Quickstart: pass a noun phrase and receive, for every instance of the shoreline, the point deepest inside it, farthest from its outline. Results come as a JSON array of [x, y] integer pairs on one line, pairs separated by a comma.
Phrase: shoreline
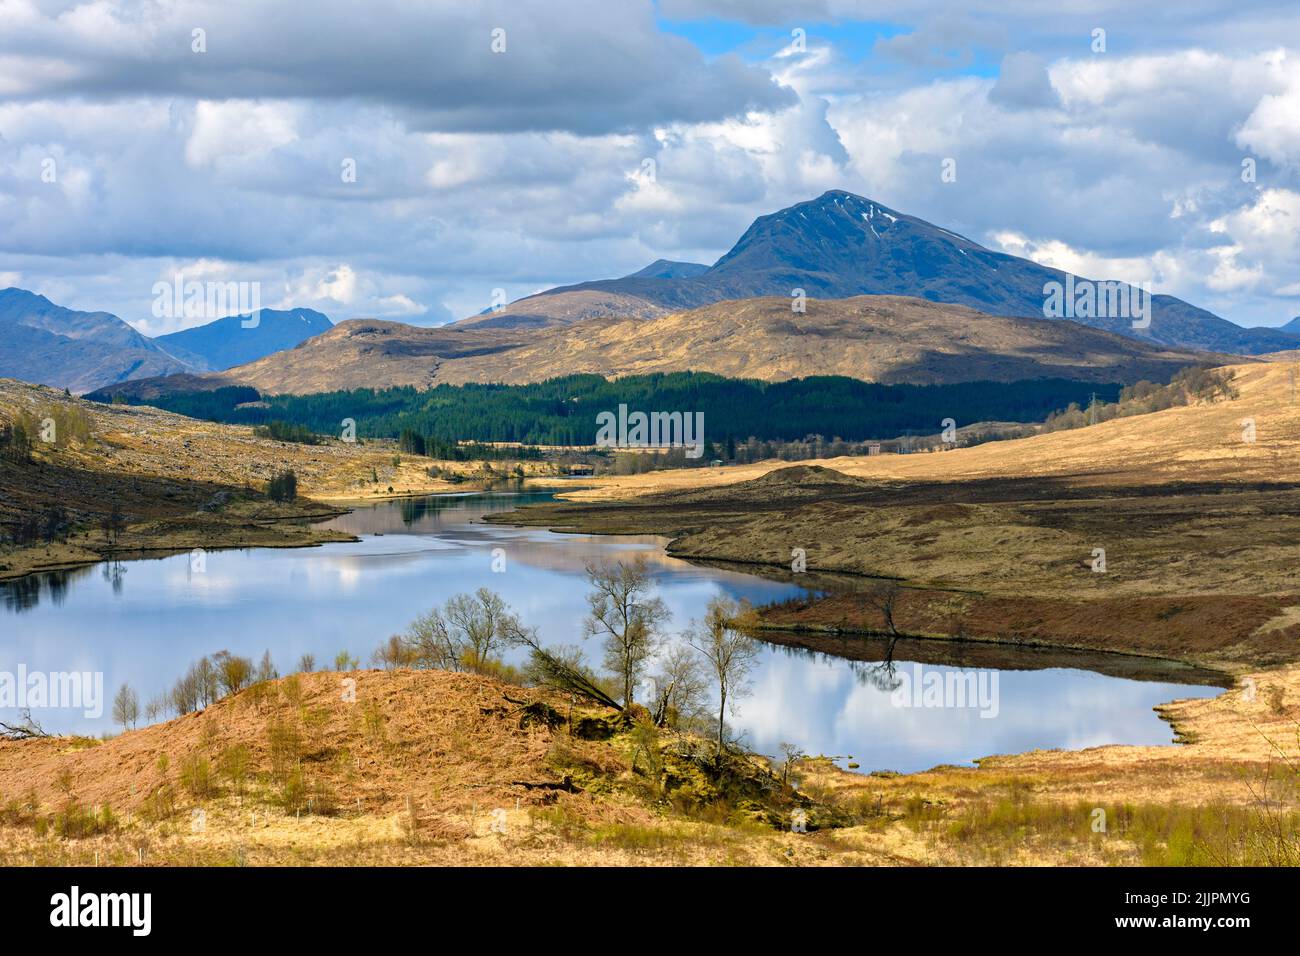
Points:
[[1026, 579], [178, 534], [235, 537]]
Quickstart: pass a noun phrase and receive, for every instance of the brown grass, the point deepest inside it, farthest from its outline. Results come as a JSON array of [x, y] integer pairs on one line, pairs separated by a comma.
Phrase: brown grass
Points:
[[440, 785]]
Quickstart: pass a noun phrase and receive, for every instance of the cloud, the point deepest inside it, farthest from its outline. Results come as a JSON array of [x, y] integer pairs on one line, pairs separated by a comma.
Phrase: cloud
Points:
[[239, 129], [1023, 83], [943, 43], [586, 66], [1262, 245], [1272, 130]]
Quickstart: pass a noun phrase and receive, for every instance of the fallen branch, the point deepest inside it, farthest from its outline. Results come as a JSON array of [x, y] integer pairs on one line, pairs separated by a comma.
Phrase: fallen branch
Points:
[[26, 729]]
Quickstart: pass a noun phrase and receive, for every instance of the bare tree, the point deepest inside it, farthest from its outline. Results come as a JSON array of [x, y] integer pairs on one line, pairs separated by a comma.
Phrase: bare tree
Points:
[[626, 616], [728, 651], [206, 682], [479, 622], [113, 524], [883, 597], [680, 687], [126, 707], [184, 696], [791, 754], [266, 669], [156, 707], [560, 668], [394, 653], [464, 634], [430, 642]]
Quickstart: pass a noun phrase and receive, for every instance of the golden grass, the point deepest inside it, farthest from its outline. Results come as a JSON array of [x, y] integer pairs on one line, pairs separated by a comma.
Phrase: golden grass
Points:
[[439, 785]]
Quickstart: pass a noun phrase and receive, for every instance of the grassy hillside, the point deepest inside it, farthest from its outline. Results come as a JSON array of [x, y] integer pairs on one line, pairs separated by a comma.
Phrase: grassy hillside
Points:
[[876, 338], [175, 482], [430, 767]]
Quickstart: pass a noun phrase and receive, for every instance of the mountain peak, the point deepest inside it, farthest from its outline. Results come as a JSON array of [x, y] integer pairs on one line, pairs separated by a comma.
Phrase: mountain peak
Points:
[[847, 236], [225, 342], [669, 269]]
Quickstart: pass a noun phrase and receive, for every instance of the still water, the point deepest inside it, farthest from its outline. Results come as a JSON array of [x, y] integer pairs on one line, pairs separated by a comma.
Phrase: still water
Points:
[[144, 622]]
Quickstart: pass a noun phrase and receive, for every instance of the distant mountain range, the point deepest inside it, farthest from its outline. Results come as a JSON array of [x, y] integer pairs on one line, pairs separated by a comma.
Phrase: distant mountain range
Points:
[[841, 245], [45, 343], [51, 345], [736, 314], [888, 339], [226, 342]]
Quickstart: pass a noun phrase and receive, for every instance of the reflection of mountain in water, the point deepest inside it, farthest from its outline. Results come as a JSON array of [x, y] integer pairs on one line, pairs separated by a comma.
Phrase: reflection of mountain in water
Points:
[[457, 519], [503, 498], [430, 513]]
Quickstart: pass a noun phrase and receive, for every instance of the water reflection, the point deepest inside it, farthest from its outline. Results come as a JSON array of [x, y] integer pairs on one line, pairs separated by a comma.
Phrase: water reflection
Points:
[[145, 621], [26, 593]]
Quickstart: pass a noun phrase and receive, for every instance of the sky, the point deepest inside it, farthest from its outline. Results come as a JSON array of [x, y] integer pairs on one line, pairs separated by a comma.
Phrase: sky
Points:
[[521, 145]]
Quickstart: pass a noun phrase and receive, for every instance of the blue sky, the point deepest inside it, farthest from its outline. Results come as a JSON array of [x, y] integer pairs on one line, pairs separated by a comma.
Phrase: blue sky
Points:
[[606, 134], [853, 39]]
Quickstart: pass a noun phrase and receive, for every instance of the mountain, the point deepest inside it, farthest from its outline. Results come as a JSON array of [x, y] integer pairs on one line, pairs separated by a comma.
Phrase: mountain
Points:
[[842, 245], [875, 338], [543, 311], [887, 339], [226, 342], [1292, 327], [46, 344], [668, 269]]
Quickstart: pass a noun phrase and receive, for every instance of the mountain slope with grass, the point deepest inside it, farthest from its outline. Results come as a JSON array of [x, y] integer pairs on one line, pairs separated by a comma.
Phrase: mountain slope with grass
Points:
[[886, 339], [889, 339], [841, 245], [174, 483]]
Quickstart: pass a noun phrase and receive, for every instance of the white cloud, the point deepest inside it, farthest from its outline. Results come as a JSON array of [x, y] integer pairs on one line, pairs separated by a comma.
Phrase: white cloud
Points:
[[240, 129], [1272, 130]]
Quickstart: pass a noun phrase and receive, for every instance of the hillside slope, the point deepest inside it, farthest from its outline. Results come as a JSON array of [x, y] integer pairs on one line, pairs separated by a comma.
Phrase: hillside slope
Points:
[[887, 339], [436, 768], [1198, 443], [178, 483]]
